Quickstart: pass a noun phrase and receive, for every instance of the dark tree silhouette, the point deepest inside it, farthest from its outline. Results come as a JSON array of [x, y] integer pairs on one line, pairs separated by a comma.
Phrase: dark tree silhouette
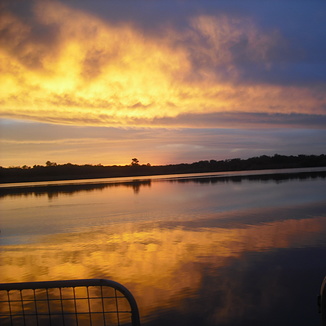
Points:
[[68, 171], [134, 162], [49, 163]]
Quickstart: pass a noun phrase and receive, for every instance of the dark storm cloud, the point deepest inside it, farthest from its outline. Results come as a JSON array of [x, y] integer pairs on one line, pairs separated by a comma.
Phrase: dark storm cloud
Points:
[[287, 46], [23, 36], [296, 57]]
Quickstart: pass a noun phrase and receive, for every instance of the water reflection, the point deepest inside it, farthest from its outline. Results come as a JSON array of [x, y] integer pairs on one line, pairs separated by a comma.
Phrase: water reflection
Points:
[[55, 190], [217, 275], [203, 251], [275, 177], [63, 189]]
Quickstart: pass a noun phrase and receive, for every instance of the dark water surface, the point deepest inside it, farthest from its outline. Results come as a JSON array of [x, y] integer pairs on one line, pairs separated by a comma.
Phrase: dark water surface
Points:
[[217, 249]]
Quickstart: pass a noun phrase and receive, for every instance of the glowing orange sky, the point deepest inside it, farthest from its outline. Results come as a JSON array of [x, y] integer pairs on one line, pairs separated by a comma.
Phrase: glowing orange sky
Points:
[[68, 65], [102, 74]]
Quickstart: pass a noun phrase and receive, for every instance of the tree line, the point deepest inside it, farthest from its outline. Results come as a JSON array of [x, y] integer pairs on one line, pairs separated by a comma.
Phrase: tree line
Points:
[[53, 171]]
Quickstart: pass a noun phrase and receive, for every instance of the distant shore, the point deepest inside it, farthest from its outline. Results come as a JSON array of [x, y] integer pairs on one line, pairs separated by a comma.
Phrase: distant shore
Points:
[[55, 172], [54, 188]]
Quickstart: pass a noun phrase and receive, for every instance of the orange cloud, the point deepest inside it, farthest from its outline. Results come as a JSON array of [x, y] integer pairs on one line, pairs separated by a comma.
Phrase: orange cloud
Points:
[[88, 71]]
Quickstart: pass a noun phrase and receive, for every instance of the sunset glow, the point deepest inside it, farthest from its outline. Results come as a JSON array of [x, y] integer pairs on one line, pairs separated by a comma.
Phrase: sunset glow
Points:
[[74, 64]]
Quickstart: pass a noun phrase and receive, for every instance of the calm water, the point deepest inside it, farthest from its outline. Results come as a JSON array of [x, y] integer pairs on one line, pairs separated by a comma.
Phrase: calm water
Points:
[[194, 250]]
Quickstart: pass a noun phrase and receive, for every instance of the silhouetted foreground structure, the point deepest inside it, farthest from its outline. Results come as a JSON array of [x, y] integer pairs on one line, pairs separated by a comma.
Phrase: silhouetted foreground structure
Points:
[[73, 302], [53, 171]]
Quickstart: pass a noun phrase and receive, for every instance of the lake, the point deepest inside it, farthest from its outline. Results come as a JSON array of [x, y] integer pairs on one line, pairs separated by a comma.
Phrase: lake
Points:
[[242, 248]]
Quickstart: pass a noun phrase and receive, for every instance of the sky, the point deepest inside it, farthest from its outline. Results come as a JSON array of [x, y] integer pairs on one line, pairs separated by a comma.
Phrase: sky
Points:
[[102, 82]]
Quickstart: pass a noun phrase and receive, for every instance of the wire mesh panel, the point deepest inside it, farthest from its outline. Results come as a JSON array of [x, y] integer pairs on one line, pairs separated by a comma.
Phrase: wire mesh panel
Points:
[[92, 302]]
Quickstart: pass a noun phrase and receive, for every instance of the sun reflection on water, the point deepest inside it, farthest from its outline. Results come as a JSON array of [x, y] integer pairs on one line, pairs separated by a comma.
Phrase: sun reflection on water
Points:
[[161, 266], [205, 251]]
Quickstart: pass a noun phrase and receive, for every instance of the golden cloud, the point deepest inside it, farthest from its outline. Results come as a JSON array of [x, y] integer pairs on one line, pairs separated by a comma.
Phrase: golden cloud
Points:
[[86, 70]]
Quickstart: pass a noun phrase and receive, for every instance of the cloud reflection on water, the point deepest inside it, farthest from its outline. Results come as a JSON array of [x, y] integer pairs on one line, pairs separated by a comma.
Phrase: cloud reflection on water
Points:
[[170, 268], [205, 251]]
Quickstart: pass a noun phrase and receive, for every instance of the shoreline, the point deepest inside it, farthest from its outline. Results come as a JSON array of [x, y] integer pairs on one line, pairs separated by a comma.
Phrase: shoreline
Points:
[[72, 185], [66, 172]]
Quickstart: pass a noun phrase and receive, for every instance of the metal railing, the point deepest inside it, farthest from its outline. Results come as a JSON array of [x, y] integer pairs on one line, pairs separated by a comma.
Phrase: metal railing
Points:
[[92, 302]]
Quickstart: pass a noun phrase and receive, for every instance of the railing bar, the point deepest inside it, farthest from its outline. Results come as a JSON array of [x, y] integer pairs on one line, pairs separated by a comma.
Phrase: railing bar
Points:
[[57, 284], [36, 311], [64, 299], [48, 302], [50, 299], [22, 303], [70, 313], [9, 306], [103, 307], [75, 304], [89, 306], [117, 306], [61, 301]]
